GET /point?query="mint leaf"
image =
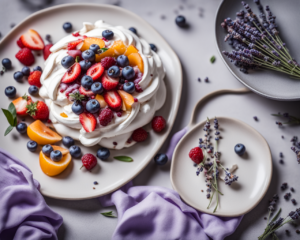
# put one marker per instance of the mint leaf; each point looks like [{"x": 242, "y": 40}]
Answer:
[
  {"x": 108, "y": 214},
  {"x": 13, "y": 112},
  {"x": 9, "y": 117},
  {"x": 124, "y": 158},
  {"x": 8, "y": 130},
  {"x": 102, "y": 50},
  {"x": 212, "y": 59}
]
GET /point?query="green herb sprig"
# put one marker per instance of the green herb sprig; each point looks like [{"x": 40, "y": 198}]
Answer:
[
  {"x": 124, "y": 158},
  {"x": 212, "y": 59},
  {"x": 11, "y": 116},
  {"x": 108, "y": 214}
]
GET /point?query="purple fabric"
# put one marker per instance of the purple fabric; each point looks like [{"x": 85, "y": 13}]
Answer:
[
  {"x": 23, "y": 211},
  {"x": 174, "y": 140}
]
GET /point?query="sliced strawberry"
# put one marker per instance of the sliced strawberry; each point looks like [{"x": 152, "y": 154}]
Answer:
[
  {"x": 21, "y": 103},
  {"x": 74, "y": 53},
  {"x": 84, "y": 92},
  {"x": 46, "y": 51},
  {"x": 109, "y": 83},
  {"x": 20, "y": 44},
  {"x": 72, "y": 74},
  {"x": 113, "y": 100},
  {"x": 32, "y": 40},
  {"x": 95, "y": 71},
  {"x": 72, "y": 45},
  {"x": 88, "y": 121}
]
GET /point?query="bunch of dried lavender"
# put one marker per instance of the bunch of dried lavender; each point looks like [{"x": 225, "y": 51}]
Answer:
[
  {"x": 211, "y": 168},
  {"x": 257, "y": 42}
]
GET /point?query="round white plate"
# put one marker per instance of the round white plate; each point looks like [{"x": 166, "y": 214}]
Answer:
[
  {"x": 74, "y": 183},
  {"x": 254, "y": 169}
]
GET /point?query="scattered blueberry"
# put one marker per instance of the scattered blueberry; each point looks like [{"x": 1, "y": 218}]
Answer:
[
  {"x": 294, "y": 201},
  {"x": 128, "y": 73},
  {"x": 75, "y": 151},
  {"x": 26, "y": 71},
  {"x": 255, "y": 118},
  {"x": 67, "y": 27},
  {"x": 122, "y": 61},
  {"x": 292, "y": 189},
  {"x": 47, "y": 149},
  {"x": 199, "y": 79},
  {"x": 113, "y": 72},
  {"x": 86, "y": 82},
  {"x": 132, "y": 29},
  {"x": 10, "y": 91},
  {"x": 153, "y": 47},
  {"x": 180, "y": 21},
  {"x": 206, "y": 79},
  {"x": 92, "y": 106},
  {"x": 94, "y": 48},
  {"x": 284, "y": 186},
  {"x": 85, "y": 65},
  {"x": 108, "y": 34},
  {"x": 129, "y": 87},
  {"x": 77, "y": 108},
  {"x": 56, "y": 155},
  {"x": 68, "y": 141},
  {"x": 161, "y": 159},
  {"x": 32, "y": 146},
  {"x": 33, "y": 90},
  {"x": 281, "y": 161},
  {"x": 95, "y": 183},
  {"x": 240, "y": 149},
  {"x": 38, "y": 68},
  {"x": 22, "y": 127},
  {"x": 18, "y": 76},
  {"x": 103, "y": 153},
  {"x": 88, "y": 55},
  {"x": 97, "y": 88},
  {"x": 48, "y": 38},
  {"x": 6, "y": 63},
  {"x": 67, "y": 61}
]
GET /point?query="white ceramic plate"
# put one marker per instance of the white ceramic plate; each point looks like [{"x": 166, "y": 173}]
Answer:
[
  {"x": 74, "y": 183},
  {"x": 254, "y": 169}
]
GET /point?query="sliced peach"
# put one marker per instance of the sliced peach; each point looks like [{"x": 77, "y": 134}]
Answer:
[
  {"x": 64, "y": 151},
  {"x": 87, "y": 42},
  {"x": 63, "y": 115},
  {"x": 101, "y": 101},
  {"x": 108, "y": 53},
  {"x": 127, "y": 98},
  {"x": 39, "y": 132},
  {"x": 118, "y": 48},
  {"x": 135, "y": 59},
  {"x": 51, "y": 168},
  {"x": 131, "y": 49}
]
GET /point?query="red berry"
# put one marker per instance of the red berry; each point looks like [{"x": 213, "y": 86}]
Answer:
[
  {"x": 32, "y": 40},
  {"x": 107, "y": 62},
  {"x": 139, "y": 135},
  {"x": 38, "y": 110},
  {"x": 73, "y": 45},
  {"x": 196, "y": 155},
  {"x": 20, "y": 44},
  {"x": 89, "y": 161},
  {"x": 46, "y": 51},
  {"x": 34, "y": 78},
  {"x": 95, "y": 71},
  {"x": 158, "y": 123},
  {"x": 25, "y": 56},
  {"x": 76, "y": 34},
  {"x": 105, "y": 117}
]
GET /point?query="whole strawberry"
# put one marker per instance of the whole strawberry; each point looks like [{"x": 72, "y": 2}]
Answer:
[
  {"x": 34, "y": 78},
  {"x": 196, "y": 155},
  {"x": 25, "y": 56},
  {"x": 158, "y": 123},
  {"x": 38, "y": 110},
  {"x": 46, "y": 51},
  {"x": 105, "y": 116},
  {"x": 139, "y": 135},
  {"x": 89, "y": 161}
]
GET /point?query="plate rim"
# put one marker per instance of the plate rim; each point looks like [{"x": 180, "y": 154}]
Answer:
[
  {"x": 232, "y": 72},
  {"x": 216, "y": 213},
  {"x": 174, "y": 106}
]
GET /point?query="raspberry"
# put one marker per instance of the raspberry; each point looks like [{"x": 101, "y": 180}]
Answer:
[
  {"x": 105, "y": 117},
  {"x": 20, "y": 44},
  {"x": 196, "y": 155},
  {"x": 139, "y": 135},
  {"x": 158, "y": 123},
  {"x": 25, "y": 56},
  {"x": 107, "y": 62},
  {"x": 89, "y": 161}
]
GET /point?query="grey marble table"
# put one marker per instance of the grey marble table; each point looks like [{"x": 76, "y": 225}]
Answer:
[{"x": 194, "y": 46}]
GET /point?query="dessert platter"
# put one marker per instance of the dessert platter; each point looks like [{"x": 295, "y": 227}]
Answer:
[{"x": 101, "y": 101}]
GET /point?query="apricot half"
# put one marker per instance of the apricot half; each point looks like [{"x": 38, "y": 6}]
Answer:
[
  {"x": 135, "y": 59},
  {"x": 87, "y": 42},
  {"x": 131, "y": 49},
  {"x": 117, "y": 49},
  {"x": 101, "y": 101},
  {"x": 127, "y": 99},
  {"x": 39, "y": 132}
]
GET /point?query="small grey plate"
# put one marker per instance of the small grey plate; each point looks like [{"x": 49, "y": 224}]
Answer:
[{"x": 270, "y": 84}]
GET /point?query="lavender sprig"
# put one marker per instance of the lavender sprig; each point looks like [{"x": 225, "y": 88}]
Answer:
[{"x": 290, "y": 119}]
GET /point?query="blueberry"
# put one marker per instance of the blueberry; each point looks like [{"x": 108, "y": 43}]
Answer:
[
  {"x": 122, "y": 61},
  {"x": 33, "y": 90},
  {"x": 97, "y": 88},
  {"x": 67, "y": 61},
  {"x": 85, "y": 65},
  {"x": 86, "y": 82},
  {"x": 129, "y": 87},
  {"x": 38, "y": 68},
  {"x": 56, "y": 155},
  {"x": 47, "y": 149},
  {"x": 22, "y": 127},
  {"x": 94, "y": 48},
  {"x": 92, "y": 106},
  {"x": 77, "y": 108},
  {"x": 240, "y": 149},
  {"x": 113, "y": 72},
  {"x": 180, "y": 21},
  {"x": 88, "y": 55},
  {"x": 75, "y": 151},
  {"x": 6, "y": 63},
  {"x": 26, "y": 71},
  {"x": 161, "y": 159},
  {"x": 128, "y": 73},
  {"x": 32, "y": 146},
  {"x": 18, "y": 76},
  {"x": 103, "y": 153},
  {"x": 68, "y": 141},
  {"x": 108, "y": 34},
  {"x": 132, "y": 29},
  {"x": 67, "y": 27},
  {"x": 10, "y": 91},
  {"x": 153, "y": 47}
]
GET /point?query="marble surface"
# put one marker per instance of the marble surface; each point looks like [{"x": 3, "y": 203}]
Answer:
[{"x": 194, "y": 46}]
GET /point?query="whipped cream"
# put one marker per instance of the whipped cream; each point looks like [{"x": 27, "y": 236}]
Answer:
[{"x": 119, "y": 129}]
